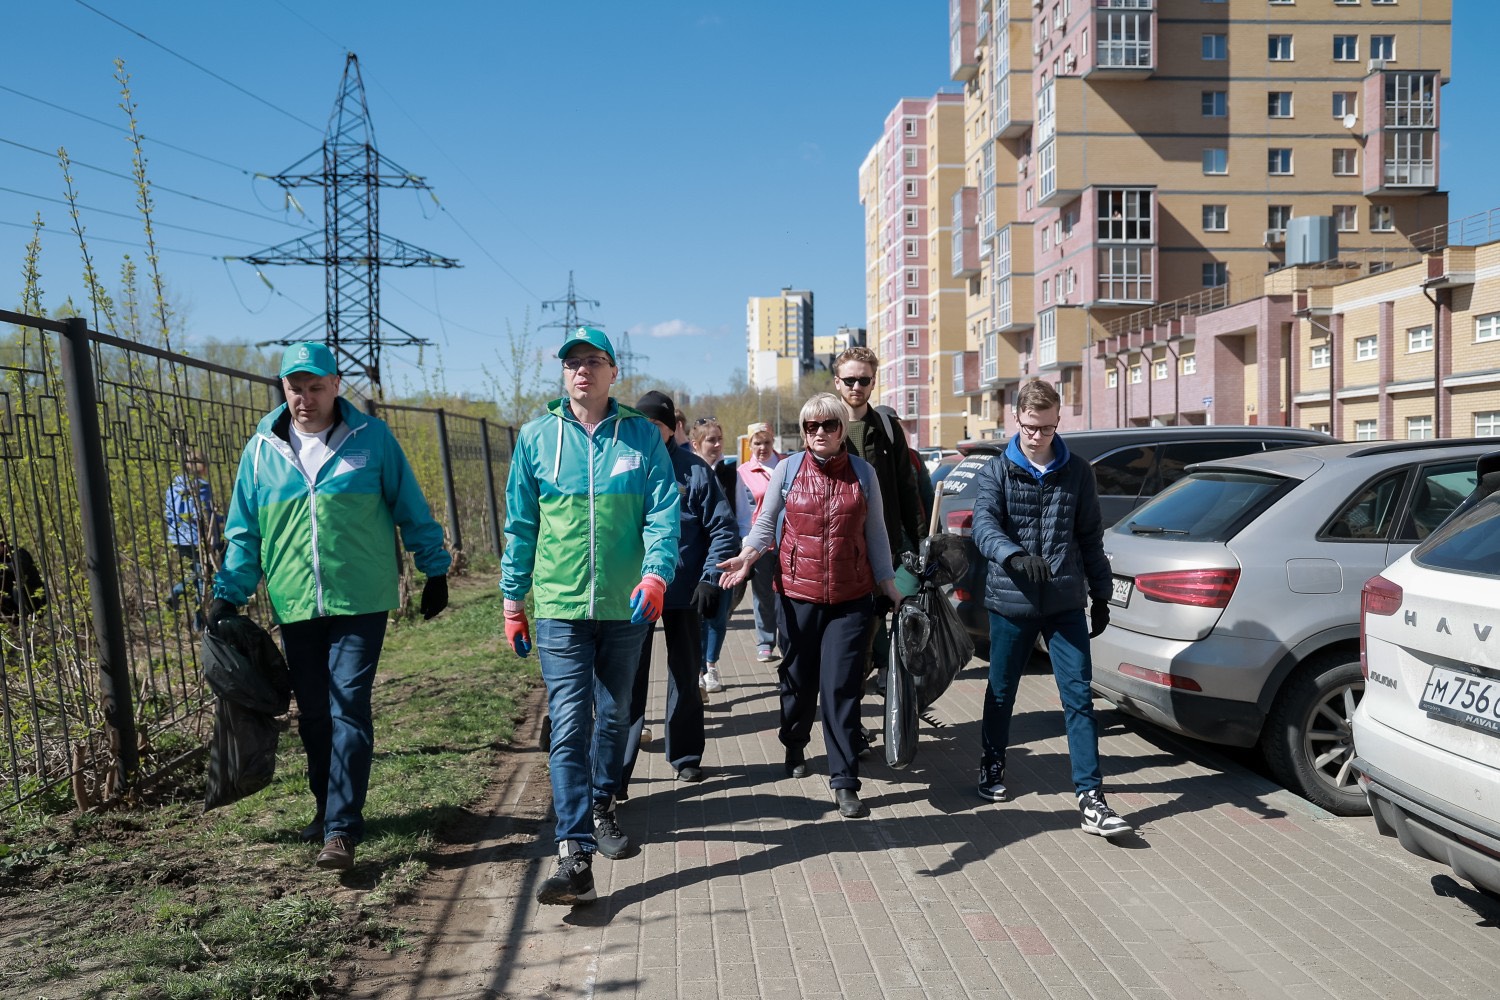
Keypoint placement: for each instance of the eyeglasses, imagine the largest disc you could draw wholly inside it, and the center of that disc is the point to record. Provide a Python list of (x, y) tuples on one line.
[(856, 380), (830, 426), (705, 420), (591, 362), (1034, 430)]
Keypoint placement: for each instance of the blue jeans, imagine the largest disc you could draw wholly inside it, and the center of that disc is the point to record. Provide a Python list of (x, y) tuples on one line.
[(589, 668), (714, 629), (1012, 641), (332, 662)]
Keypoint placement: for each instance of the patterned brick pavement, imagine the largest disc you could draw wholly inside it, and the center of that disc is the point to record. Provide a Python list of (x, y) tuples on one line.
[(751, 885)]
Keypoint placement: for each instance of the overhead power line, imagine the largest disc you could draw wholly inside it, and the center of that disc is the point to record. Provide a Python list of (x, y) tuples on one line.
[(122, 215), (106, 239)]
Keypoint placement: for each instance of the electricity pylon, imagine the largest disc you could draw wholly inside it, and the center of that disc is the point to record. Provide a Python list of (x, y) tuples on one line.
[(571, 320), (353, 250)]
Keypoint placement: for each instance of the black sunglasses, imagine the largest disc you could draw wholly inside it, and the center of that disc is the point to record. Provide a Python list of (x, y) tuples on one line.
[(856, 380), (811, 427), (705, 420)]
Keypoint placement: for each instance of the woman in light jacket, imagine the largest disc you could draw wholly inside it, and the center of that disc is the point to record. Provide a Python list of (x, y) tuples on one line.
[(754, 474)]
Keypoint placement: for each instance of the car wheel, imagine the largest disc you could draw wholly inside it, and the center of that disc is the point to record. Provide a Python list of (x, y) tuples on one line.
[(1309, 742)]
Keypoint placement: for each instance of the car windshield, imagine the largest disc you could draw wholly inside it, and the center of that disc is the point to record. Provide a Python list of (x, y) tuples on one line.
[(1204, 506), (1469, 543)]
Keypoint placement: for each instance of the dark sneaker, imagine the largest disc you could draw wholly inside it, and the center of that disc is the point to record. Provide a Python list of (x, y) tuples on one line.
[(1099, 818), (607, 833), (312, 833), (796, 763), (992, 782), (690, 773), (849, 804), (573, 881), (337, 854)]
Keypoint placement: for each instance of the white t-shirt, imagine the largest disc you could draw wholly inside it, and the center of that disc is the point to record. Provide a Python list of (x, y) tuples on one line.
[(311, 449)]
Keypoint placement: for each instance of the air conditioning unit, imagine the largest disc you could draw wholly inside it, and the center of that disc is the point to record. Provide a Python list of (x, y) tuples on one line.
[(1275, 237), (1036, 48), (1376, 65), (1070, 61)]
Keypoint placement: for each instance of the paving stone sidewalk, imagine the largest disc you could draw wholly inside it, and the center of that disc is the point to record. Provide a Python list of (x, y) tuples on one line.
[(750, 884)]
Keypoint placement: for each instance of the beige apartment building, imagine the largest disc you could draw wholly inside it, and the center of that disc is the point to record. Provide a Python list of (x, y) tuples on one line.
[(1126, 154), (779, 339), (915, 302)]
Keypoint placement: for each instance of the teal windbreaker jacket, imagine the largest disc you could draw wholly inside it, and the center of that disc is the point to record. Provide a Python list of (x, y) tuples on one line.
[(328, 546)]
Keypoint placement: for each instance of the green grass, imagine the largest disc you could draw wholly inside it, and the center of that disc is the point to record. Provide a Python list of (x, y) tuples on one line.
[(164, 901)]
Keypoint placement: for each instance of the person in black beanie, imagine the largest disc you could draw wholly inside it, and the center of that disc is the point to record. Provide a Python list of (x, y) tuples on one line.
[(709, 536)]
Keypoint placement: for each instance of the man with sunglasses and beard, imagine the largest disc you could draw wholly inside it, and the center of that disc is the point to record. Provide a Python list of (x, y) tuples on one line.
[(881, 442)]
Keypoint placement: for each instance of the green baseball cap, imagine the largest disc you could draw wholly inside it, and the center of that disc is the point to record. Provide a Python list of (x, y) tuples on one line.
[(310, 357), (592, 336)]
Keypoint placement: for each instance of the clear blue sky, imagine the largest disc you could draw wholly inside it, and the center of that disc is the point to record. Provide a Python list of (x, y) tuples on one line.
[(677, 157)]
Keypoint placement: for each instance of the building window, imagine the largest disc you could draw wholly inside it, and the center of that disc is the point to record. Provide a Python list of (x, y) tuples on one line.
[(1279, 162), (911, 404), (1046, 179), (1411, 160), (1046, 338), (913, 276), (911, 189), (1215, 47), (1215, 218), (911, 248), (1383, 47), (1318, 356), (1346, 218), (1125, 274), (1277, 217), (1345, 102), (1216, 161), (1112, 378), (1487, 424), (1215, 103), (1279, 104), (1381, 219), (1279, 48), (1345, 162), (1486, 328), (1366, 348), (911, 218), (1189, 364), (1215, 274), (913, 337), (1345, 48), (911, 127), (1381, 266), (913, 371), (911, 157), (1135, 374), (1124, 40), (913, 310), (1158, 369), (1418, 338), (1046, 238), (1124, 215), (1364, 430), (1419, 428)]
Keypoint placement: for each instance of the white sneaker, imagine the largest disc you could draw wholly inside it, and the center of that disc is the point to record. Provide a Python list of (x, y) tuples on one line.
[(710, 681)]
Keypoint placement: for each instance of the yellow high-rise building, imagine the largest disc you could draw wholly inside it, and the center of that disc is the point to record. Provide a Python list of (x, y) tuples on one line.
[(779, 339)]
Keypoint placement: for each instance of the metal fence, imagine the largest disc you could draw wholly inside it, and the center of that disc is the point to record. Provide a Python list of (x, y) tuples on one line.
[(101, 690)]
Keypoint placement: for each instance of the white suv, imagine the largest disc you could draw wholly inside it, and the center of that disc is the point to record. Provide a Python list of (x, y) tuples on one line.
[(1427, 733)]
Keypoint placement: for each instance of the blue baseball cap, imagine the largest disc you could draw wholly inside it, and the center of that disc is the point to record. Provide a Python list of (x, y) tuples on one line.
[(310, 357), (592, 336)]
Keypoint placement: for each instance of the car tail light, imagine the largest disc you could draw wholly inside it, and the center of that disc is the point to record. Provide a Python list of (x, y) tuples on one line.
[(1379, 597), (1160, 677), (1203, 588), (960, 522)]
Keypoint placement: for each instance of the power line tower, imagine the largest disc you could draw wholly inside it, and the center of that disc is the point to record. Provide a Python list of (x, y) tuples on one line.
[(571, 320), (628, 358), (353, 251)]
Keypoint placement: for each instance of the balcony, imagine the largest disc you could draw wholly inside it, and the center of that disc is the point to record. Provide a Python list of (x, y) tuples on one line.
[(966, 374), (1125, 47), (965, 232), (1401, 146), (1062, 335), (963, 55)]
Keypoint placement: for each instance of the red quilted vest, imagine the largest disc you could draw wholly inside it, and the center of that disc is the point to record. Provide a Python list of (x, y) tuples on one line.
[(822, 553)]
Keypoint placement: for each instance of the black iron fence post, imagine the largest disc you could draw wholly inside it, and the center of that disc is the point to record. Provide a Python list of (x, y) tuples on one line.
[(99, 543), (489, 487), (456, 531)]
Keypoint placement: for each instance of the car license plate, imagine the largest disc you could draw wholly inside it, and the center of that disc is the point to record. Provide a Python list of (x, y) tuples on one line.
[(1120, 588), (1470, 700)]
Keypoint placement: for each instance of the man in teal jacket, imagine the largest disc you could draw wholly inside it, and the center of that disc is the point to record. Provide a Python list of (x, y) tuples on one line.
[(591, 532), (320, 492)]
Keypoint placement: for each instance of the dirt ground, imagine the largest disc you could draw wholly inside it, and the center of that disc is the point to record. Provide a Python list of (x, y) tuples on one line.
[(464, 921)]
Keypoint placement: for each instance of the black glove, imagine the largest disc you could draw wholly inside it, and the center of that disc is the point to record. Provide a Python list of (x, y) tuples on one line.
[(1098, 619), (1033, 568), (434, 596), (706, 599), (218, 610)]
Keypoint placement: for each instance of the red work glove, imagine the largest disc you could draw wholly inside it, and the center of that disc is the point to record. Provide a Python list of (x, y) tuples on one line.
[(647, 598), (517, 629)]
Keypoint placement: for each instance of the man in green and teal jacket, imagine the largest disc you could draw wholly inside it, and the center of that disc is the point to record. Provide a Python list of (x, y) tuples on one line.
[(591, 533), (320, 492)]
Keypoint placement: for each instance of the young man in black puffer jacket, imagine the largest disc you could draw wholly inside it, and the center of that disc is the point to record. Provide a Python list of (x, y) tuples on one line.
[(1037, 521)]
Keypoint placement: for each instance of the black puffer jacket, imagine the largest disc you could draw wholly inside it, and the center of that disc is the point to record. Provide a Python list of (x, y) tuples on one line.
[(1055, 516)]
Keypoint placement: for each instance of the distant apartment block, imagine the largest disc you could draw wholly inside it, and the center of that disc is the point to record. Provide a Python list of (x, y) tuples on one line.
[(1124, 154), (827, 347), (779, 339), (914, 302)]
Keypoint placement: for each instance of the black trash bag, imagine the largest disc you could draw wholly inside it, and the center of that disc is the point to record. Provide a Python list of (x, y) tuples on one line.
[(949, 644), (901, 715), (247, 672)]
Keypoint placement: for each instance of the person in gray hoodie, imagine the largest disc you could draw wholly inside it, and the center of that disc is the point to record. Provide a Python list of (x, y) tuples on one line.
[(1037, 521)]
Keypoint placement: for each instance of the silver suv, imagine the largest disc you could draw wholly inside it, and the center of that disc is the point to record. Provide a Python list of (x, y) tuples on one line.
[(1237, 597)]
